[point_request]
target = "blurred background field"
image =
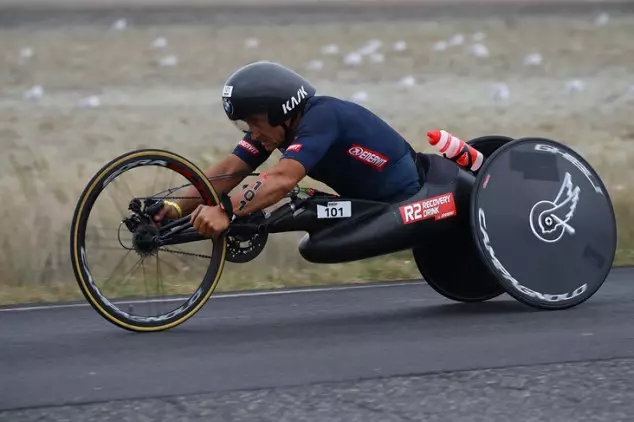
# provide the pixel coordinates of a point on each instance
(74, 96)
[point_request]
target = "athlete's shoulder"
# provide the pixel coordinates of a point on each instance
(320, 111)
(320, 102)
(343, 109)
(325, 108)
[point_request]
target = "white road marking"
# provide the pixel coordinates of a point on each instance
(221, 296)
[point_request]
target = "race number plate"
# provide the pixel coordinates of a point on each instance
(335, 209)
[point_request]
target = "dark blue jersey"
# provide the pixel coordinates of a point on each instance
(348, 148)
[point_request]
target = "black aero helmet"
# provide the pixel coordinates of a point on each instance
(265, 87)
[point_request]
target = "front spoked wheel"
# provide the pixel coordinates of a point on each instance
(139, 275)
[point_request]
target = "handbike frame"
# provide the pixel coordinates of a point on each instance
(283, 219)
(279, 220)
(375, 227)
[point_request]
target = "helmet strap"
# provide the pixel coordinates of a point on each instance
(288, 130)
(287, 133)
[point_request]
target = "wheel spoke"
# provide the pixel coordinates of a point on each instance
(172, 266)
(117, 267)
(116, 204)
(159, 280)
(130, 271)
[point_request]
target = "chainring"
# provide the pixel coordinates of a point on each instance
(241, 248)
(246, 245)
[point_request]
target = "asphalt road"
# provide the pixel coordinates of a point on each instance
(395, 351)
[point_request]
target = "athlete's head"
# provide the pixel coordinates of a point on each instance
(264, 98)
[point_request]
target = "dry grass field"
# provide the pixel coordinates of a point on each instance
(53, 143)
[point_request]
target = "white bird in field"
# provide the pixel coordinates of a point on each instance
(500, 92)
(457, 39)
(602, 19)
(440, 46)
(377, 58)
(329, 49)
(168, 61)
(370, 47)
(359, 97)
(119, 25)
(534, 59)
(92, 101)
(399, 46)
(34, 93)
(251, 43)
(406, 82)
(575, 85)
(26, 52)
(479, 50)
(159, 42)
(353, 59)
(315, 65)
(478, 36)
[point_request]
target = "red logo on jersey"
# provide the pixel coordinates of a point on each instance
(294, 147)
(367, 156)
(247, 146)
(438, 207)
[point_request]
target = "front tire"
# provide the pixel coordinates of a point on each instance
(115, 312)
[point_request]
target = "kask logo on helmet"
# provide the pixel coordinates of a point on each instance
(294, 101)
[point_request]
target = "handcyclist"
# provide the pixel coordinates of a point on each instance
(334, 141)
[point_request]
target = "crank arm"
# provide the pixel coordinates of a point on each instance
(168, 232)
(184, 236)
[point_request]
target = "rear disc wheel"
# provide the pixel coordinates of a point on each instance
(543, 223)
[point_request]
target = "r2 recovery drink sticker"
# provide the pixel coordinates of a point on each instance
(438, 208)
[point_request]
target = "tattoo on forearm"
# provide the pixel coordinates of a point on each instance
(249, 194)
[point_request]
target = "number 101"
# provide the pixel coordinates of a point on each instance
(334, 212)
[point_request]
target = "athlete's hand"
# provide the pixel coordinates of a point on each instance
(209, 221)
(167, 211)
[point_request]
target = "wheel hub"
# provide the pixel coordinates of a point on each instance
(144, 240)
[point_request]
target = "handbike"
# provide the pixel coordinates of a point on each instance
(535, 221)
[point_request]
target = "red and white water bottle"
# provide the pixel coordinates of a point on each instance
(456, 149)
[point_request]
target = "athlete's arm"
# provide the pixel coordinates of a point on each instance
(230, 164)
(247, 155)
(269, 188)
(315, 134)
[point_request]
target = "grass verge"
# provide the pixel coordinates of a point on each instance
(50, 148)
